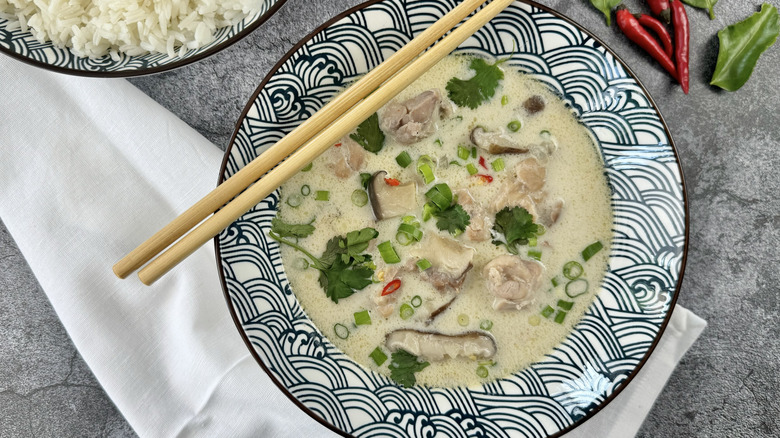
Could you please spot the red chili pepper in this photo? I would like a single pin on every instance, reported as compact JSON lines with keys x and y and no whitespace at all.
{"x":391,"y":287}
{"x":337,"y":144}
{"x":682,"y":40}
{"x":661,"y":9}
{"x":486,"y":178}
{"x":638,"y":34}
{"x":659,"y":29}
{"x":392,"y":182}
{"x":482,"y":162}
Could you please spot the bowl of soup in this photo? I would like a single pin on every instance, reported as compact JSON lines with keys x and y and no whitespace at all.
{"x":126,"y":37}
{"x":495,"y":252}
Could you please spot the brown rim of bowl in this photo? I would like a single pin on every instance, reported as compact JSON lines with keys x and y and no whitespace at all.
{"x":340,"y":16}
{"x":159,"y":69}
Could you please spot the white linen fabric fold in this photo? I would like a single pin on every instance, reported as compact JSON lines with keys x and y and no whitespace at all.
{"x":89,"y":168}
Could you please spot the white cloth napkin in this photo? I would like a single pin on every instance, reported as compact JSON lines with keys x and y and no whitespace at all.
{"x":89,"y":168}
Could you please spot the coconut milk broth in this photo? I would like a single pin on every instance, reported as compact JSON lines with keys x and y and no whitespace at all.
{"x":574,"y":173}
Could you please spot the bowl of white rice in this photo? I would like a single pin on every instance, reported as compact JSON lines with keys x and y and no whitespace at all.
{"x":121,"y":38}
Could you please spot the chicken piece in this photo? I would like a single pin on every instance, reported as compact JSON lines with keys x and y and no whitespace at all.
{"x":550,"y":212}
{"x":512,"y":281}
{"x":413,"y":120}
{"x":481,"y":222}
{"x":496,"y":142}
{"x":434,"y":347}
{"x":346,"y":159}
{"x":530,"y":175}
{"x":510,"y":196}
{"x":450,"y":261}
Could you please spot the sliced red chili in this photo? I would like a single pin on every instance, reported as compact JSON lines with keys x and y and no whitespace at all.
{"x":392,"y":182}
{"x":482,"y":162}
{"x":337,"y":144}
{"x":486,"y":178}
{"x":391,"y":287}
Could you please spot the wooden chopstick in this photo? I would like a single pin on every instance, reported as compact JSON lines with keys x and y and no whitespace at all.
{"x":268,"y":159}
{"x":316,"y":146}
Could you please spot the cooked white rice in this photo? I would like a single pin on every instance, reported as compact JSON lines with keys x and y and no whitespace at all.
{"x":95,"y":28}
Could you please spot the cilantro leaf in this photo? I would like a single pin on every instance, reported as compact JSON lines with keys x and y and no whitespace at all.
{"x":341,"y":280}
{"x":517,"y":226}
{"x":357,"y":242}
{"x":369,"y":135}
{"x":402,"y":367}
{"x":477,"y":90}
{"x":284,"y":229}
{"x":453,"y":219}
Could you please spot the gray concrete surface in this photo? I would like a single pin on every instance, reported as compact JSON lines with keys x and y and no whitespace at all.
{"x":728,"y":142}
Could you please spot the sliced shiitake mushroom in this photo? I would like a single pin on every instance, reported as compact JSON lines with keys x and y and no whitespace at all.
{"x":435,"y":346}
{"x":495,"y":142}
{"x":390,"y":201}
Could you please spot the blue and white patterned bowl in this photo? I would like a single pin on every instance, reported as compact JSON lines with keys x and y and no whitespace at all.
{"x":24,"y":47}
{"x":617,"y":333}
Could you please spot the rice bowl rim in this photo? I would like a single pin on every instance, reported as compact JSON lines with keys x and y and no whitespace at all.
{"x":152,"y":70}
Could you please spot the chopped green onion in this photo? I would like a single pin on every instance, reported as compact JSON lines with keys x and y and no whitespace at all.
{"x":294,"y":201}
{"x":577,"y":287}
{"x":416,"y":301}
{"x":379,"y":356}
{"x":532,"y":241}
{"x":540,"y":230}
{"x":555,"y":282}
{"x":472,"y":169}
{"x":498,"y":164}
{"x":482,"y":372}
{"x":411,"y":230}
{"x":591,"y":250}
{"x":463,"y":153}
{"x":408,"y":219}
{"x":440,"y":195}
{"x":565,"y":305}
{"x":423,"y":264}
{"x":463,"y":320}
{"x":426,"y":172}
{"x":406,"y":311}
{"x":486,"y":324}
{"x":486,"y":363}
{"x":572,"y":270}
{"x":514,"y":126}
{"x":537,"y":255}
{"x":388,"y":253}
{"x":534,"y":320}
{"x":455,"y":163}
{"x":545,"y":134}
{"x":560,"y":316}
{"x":305,"y":190}
{"x":359,"y":198}
{"x":308,"y":167}
{"x":364,"y":179}
{"x":428,"y":210}
{"x":322,"y":195}
{"x":301,"y":263}
{"x":504,"y":100}
{"x":362,"y":318}
{"x":403,"y":159}
{"x":438,"y":142}
{"x":474,"y":152}
{"x":547,"y":311}
{"x":341,"y":331}
{"x":404,"y":239}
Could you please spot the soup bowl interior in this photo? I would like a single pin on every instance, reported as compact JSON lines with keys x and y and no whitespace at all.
{"x":622,"y":325}
{"x":21,"y":44}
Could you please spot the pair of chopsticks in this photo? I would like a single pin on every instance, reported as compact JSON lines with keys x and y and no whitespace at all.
{"x":319,"y":132}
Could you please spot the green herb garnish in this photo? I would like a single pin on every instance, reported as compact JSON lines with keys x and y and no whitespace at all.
{"x":402,"y":367}
{"x":703,"y":4}
{"x":517,"y":226}
{"x":369,"y":135}
{"x":283,"y":229}
{"x":606,"y":6}
{"x":480,"y":88}
{"x":343,"y":270}
{"x":453,"y":219}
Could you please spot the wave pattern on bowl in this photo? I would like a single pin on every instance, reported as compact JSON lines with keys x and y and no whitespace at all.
{"x":615,"y":334}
